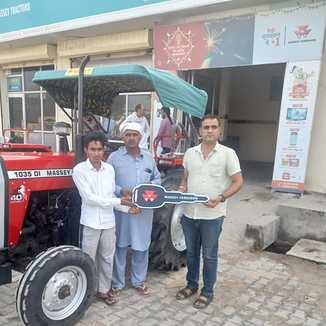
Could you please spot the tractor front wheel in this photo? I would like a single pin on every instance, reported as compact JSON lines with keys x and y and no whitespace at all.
{"x":57,"y":287}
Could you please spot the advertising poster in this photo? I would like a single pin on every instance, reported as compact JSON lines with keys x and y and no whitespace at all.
{"x":296,"y":117}
{"x":220,"y":43}
{"x":289,"y":34}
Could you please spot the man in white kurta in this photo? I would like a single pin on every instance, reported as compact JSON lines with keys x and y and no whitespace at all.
{"x":139,"y":117}
{"x":133,"y":166}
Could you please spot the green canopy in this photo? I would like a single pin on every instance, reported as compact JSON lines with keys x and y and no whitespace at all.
{"x":102,"y":84}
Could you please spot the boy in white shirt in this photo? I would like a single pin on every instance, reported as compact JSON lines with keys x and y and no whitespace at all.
{"x":95,"y":181}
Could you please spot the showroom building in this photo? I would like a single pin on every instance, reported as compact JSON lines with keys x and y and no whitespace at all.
{"x":261,"y":63}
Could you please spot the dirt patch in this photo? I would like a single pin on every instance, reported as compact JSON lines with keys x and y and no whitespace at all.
{"x":264,"y":196}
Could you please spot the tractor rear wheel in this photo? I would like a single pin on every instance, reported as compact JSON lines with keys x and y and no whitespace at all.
{"x":168,"y":249}
{"x":57,"y":287}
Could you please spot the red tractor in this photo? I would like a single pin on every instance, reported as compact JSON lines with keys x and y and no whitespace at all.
{"x":40,"y":207}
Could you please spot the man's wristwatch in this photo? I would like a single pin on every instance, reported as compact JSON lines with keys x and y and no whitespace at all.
{"x":222,"y":198}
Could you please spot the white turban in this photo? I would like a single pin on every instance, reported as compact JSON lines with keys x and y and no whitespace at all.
{"x":134,"y":126}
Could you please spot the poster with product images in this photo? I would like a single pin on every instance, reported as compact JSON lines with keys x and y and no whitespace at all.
{"x":296,"y":117}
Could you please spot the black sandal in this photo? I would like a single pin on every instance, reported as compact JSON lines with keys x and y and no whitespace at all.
{"x":185,"y":293}
{"x":202,"y":302}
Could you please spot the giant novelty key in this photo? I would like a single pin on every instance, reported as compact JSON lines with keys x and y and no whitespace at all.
{"x":154,"y":196}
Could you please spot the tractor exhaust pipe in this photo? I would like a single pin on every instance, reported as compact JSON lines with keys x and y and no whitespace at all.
{"x":80,"y":105}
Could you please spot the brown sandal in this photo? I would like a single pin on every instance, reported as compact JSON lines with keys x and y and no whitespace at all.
{"x":185,"y":293}
{"x":107,"y":298}
{"x":114,"y":292}
{"x":142,"y":289}
{"x":202,"y":302}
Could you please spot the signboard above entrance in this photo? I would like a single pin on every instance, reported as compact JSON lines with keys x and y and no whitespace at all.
{"x":283,"y":35}
{"x":290,"y":34}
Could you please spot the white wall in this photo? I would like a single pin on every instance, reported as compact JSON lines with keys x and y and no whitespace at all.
{"x":316,"y":174}
{"x":255,"y":113}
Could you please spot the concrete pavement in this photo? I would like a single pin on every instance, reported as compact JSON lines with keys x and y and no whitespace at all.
{"x":260,"y":288}
{"x":253,"y":289}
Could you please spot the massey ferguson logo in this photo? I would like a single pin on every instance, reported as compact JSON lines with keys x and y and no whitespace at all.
{"x":149,"y":195}
{"x":302,"y":34}
{"x":302,"y":31}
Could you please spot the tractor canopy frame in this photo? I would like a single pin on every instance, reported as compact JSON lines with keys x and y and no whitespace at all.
{"x":94,"y":88}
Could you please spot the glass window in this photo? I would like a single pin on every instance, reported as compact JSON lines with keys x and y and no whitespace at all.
{"x":49,"y":67}
{"x":16,"y":71}
{"x":35,"y":138}
{"x":50,"y":140}
{"x":48,"y":112}
{"x":118,"y":108}
{"x":33,"y":111}
{"x":15,"y":84}
{"x":28,"y":77}
{"x":16,"y":112}
{"x":32,"y":105}
{"x":144,"y":99}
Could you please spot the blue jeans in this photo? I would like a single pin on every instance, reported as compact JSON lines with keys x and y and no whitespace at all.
{"x":202,"y":233}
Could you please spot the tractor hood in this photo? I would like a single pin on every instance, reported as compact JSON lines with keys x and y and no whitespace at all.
{"x":31,"y":161}
{"x":102,"y":84}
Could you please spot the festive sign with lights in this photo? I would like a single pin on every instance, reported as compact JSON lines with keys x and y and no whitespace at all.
{"x":154,"y":196}
{"x":223,"y":42}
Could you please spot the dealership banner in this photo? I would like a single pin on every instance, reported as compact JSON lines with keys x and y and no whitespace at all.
{"x":294,"y":132}
{"x":22,"y":14}
{"x":27,"y":18}
{"x":219,"y":43}
{"x":289,"y":34}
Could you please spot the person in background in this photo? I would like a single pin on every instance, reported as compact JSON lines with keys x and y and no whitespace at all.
{"x":133,"y":166}
{"x":95,"y":181}
{"x":165,"y":133}
{"x":109,"y":125}
{"x":139,"y":117}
